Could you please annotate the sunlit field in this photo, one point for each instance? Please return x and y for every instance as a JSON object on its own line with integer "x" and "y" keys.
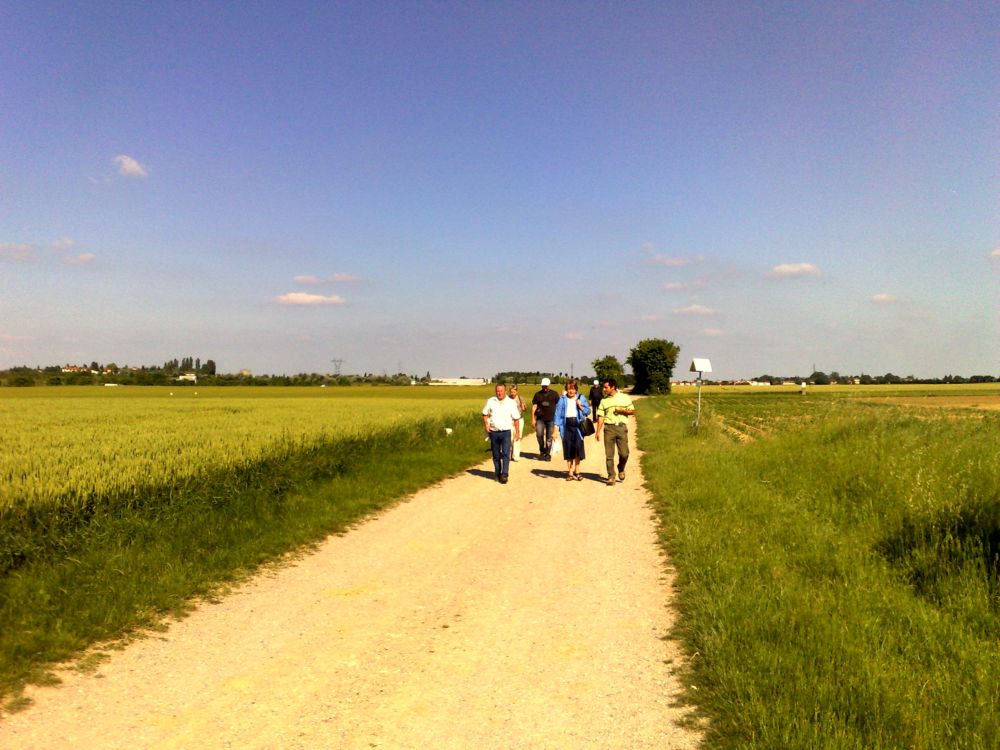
{"x": 838, "y": 556}
{"x": 120, "y": 504}
{"x": 837, "y": 551}
{"x": 64, "y": 445}
{"x": 865, "y": 391}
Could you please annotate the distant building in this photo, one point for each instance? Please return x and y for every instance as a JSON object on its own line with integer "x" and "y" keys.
{"x": 460, "y": 381}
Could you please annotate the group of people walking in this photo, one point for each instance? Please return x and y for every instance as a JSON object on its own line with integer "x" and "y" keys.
{"x": 565, "y": 417}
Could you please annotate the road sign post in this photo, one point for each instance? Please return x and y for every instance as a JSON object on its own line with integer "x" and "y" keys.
{"x": 699, "y": 366}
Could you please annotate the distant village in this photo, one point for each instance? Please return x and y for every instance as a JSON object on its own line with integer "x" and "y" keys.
{"x": 192, "y": 371}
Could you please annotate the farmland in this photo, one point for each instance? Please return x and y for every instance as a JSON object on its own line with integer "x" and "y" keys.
{"x": 836, "y": 551}
{"x": 119, "y": 504}
{"x": 837, "y": 557}
{"x": 70, "y": 444}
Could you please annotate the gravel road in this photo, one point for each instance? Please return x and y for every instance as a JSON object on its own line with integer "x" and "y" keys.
{"x": 473, "y": 615}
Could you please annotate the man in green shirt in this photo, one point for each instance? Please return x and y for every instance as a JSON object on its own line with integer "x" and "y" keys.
{"x": 612, "y": 417}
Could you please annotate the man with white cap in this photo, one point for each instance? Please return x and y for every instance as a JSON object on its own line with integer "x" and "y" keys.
{"x": 596, "y": 394}
{"x": 543, "y": 414}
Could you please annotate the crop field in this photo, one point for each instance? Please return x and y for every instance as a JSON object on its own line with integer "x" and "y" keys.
{"x": 838, "y": 561}
{"x": 120, "y": 504}
{"x": 837, "y": 553}
{"x": 65, "y": 445}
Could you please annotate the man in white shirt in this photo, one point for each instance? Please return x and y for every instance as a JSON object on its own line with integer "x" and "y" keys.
{"x": 500, "y": 419}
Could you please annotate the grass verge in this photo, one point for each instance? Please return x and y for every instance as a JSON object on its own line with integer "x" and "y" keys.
{"x": 836, "y": 579}
{"x": 123, "y": 565}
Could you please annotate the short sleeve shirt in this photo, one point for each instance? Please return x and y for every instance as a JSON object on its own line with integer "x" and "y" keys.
{"x": 608, "y": 406}
{"x": 502, "y": 414}
{"x": 545, "y": 401}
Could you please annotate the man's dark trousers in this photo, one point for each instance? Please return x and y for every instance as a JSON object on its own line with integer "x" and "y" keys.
{"x": 615, "y": 436}
{"x": 543, "y": 431}
{"x": 500, "y": 441}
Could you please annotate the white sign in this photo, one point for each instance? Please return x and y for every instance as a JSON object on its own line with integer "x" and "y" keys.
{"x": 701, "y": 365}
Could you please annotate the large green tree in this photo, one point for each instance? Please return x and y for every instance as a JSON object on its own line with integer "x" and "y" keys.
{"x": 608, "y": 366}
{"x": 652, "y": 362}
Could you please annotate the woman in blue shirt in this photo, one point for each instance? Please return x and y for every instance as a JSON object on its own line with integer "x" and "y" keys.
{"x": 571, "y": 410}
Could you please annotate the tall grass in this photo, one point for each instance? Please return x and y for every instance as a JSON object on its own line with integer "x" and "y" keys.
{"x": 837, "y": 569}
{"x": 116, "y": 564}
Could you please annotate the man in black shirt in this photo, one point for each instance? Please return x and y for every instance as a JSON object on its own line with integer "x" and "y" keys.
{"x": 596, "y": 394}
{"x": 543, "y": 413}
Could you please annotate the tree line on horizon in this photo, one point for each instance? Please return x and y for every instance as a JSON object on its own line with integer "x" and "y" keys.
{"x": 182, "y": 372}
{"x": 652, "y": 363}
{"x": 821, "y": 378}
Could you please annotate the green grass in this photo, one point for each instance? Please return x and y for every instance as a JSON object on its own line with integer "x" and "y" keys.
{"x": 846, "y": 390}
{"x": 95, "y": 576}
{"x": 837, "y": 571}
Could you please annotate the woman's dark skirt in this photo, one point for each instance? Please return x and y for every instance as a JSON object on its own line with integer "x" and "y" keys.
{"x": 573, "y": 441}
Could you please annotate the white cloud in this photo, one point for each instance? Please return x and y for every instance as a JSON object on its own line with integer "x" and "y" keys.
{"x": 129, "y": 167}
{"x": 884, "y": 299}
{"x": 344, "y": 278}
{"x": 80, "y": 260}
{"x": 793, "y": 270}
{"x": 714, "y": 332}
{"x": 663, "y": 260}
{"x": 302, "y": 298}
{"x": 63, "y": 243}
{"x": 649, "y": 249}
{"x": 673, "y": 286}
{"x": 9, "y": 338}
{"x": 650, "y": 318}
{"x": 574, "y": 336}
{"x": 15, "y": 251}
{"x": 337, "y": 278}
{"x": 995, "y": 253}
{"x": 694, "y": 310}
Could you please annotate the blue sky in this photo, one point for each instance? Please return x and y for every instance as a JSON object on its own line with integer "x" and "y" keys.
{"x": 463, "y": 188}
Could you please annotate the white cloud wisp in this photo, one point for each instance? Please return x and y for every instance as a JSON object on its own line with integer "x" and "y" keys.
{"x": 129, "y": 167}
{"x": 80, "y": 260}
{"x": 15, "y": 251}
{"x": 303, "y": 298}
{"x": 793, "y": 270}
{"x": 694, "y": 310}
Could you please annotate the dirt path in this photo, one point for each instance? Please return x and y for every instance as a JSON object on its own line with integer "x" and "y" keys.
{"x": 476, "y": 615}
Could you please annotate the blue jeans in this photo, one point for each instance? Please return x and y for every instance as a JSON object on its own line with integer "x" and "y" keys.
{"x": 500, "y": 444}
{"x": 543, "y": 431}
